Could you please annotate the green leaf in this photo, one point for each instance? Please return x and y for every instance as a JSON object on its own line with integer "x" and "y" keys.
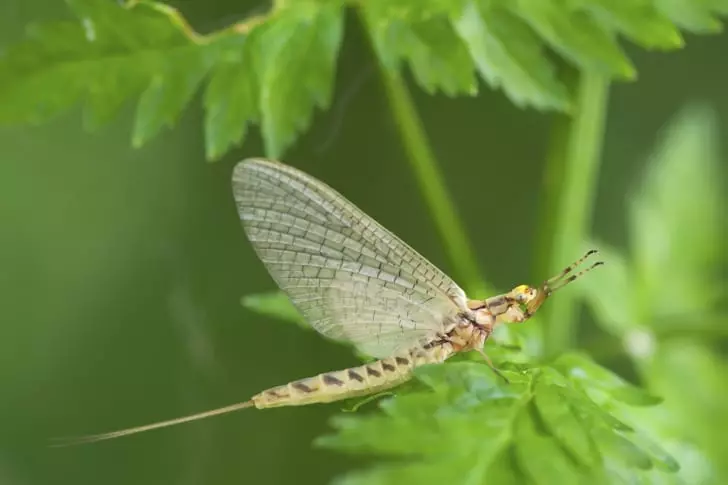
{"x": 561, "y": 420}
{"x": 593, "y": 377}
{"x": 437, "y": 57}
{"x": 295, "y": 63}
{"x": 31, "y": 72}
{"x": 509, "y": 55}
{"x": 640, "y": 20}
{"x": 231, "y": 98}
{"x": 576, "y": 35}
{"x": 278, "y": 76}
{"x": 463, "y": 422}
{"x": 168, "y": 93}
{"x": 466, "y": 419}
{"x": 410, "y": 11}
{"x": 658, "y": 455}
{"x": 540, "y": 456}
{"x": 615, "y": 446}
{"x": 698, "y": 16}
{"x": 506, "y": 470}
{"x": 275, "y": 69}
{"x": 691, "y": 377}
{"x": 113, "y": 53}
{"x": 589, "y": 411}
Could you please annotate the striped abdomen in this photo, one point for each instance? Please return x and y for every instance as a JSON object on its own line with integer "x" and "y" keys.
{"x": 356, "y": 381}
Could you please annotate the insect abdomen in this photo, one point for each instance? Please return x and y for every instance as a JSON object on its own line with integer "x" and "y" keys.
{"x": 356, "y": 381}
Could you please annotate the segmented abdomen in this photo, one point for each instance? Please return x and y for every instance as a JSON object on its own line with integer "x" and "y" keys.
{"x": 356, "y": 381}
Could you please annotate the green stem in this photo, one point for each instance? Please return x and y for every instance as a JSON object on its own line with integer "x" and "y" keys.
{"x": 432, "y": 184}
{"x": 571, "y": 178}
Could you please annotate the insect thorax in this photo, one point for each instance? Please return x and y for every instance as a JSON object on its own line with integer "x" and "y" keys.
{"x": 466, "y": 333}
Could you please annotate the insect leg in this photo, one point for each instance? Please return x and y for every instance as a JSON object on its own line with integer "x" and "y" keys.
{"x": 493, "y": 367}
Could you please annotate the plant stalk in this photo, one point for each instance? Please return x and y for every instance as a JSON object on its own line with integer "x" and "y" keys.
{"x": 432, "y": 185}
{"x": 571, "y": 179}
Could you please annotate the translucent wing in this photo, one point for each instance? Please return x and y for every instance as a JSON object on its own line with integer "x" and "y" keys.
{"x": 351, "y": 278}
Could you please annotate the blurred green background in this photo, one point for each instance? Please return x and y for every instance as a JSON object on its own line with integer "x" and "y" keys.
{"x": 121, "y": 270}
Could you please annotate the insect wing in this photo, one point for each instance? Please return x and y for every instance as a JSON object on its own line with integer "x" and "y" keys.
{"x": 351, "y": 278}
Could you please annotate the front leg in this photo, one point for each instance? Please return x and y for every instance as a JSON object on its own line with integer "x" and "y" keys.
{"x": 485, "y": 322}
{"x": 493, "y": 367}
{"x": 490, "y": 362}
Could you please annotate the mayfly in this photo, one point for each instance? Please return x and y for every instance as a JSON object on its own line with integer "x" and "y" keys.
{"x": 353, "y": 280}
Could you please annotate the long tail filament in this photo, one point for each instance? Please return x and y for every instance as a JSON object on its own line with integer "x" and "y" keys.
{"x": 61, "y": 442}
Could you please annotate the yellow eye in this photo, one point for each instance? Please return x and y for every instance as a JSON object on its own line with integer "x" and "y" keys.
{"x": 521, "y": 289}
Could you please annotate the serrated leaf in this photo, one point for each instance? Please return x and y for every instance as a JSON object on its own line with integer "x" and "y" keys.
{"x": 589, "y": 411}
{"x": 437, "y": 57}
{"x": 540, "y": 456}
{"x": 596, "y": 378}
{"x": 615, "y": 446}
{"x": 410, "y": 11}
{"x": 696, "y": 16}
{"x": 231, "y": 98}
{"x": 509, "y": 55}
{"x": 639, "y": 20}
{"x": 31, "y": 72}
{"x": 120, "y": 49}
{"x": 114, "y": 86}
{"x": 109, "y": 56}
{"x": 634, "y": 396}
{"x": 168, "y": 93}
{"x": 563, "y": 423}
{"x": 295, "y": 63}
{"x": 658, "y": 455}
{"x": 461, "y": 424}
{"x": 482, "y": 386}
{"x": 467, "y": 420}
{"x": 576, "y": 35}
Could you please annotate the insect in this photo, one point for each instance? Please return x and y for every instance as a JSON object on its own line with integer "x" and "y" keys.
{"x": 355, "y": 281}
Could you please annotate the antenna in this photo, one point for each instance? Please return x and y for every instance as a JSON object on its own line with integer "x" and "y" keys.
{"x": 564, "y": 277}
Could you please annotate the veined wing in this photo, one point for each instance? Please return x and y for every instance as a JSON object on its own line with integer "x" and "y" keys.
{"x": 350, "y": 277}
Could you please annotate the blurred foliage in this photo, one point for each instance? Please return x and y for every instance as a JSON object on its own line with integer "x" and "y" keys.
{"x": 274, "y": 69}
{"x": 656, "y": 288}
{"x": 663, "y": 298}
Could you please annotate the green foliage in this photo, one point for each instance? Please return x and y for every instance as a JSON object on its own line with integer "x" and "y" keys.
{"x": 662, "y": 299}
{"x": 113, "y": 53}
{"x": 551, "y": 424}
{"x": 274, "y": 70}
{"x": 656, "y": 288}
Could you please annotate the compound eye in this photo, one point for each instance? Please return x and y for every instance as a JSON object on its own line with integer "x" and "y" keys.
{"x": 526, "y": 295}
